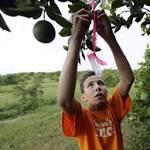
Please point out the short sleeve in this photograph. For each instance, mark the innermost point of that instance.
(120, 105)
(73, 125)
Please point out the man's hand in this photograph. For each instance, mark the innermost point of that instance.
(103, 25)
(81, 21)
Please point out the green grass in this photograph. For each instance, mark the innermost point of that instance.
(50, 90)
(7, 96)
(34, 131)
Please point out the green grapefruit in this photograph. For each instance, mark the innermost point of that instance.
(44, 31)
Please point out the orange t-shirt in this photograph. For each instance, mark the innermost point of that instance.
(98, 130)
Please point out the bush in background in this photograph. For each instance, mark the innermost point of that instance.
(139, 118)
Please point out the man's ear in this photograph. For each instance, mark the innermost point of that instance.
(84, 97)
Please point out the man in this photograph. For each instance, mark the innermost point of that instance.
(98, 126)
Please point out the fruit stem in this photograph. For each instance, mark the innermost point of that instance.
(44, 14)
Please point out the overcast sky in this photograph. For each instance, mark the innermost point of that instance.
(21, 52)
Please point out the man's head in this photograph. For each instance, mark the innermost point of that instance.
(83, 78)
(93, 89)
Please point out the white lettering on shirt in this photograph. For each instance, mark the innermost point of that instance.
(104, 129)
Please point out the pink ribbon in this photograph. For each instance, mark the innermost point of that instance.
(93, 56)
(92, 4)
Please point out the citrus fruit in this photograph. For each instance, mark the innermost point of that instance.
(44, 31)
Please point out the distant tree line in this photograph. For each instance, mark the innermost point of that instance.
(13, 79)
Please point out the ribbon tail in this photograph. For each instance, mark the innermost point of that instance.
(100, 61)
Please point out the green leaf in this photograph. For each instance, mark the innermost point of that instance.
(135, 10)
(50, 12)
(145, 22)
(123, 21)
(110, 1)
(24, 3)
(65, 32)
(106, 7)
(136, 2)
(82, 54)
(79, 60)
(144, 96)
(146, 2)
(117, 29)
(117, 4)
(129, 21)
(65, 47)
(62, 21)
(58, 18)
(89, 44)
(115, 20)
(26, 12)
(128, 3)
(139, 17)
(89, 34)
(3, 24)
(54, 8)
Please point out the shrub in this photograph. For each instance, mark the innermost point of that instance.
(140, 115)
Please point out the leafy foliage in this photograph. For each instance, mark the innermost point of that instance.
(110, 77)
(137, 10)
(10, 79)
(140, 116)
(24, 92)
(30, 94)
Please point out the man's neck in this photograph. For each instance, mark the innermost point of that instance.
(95, 108)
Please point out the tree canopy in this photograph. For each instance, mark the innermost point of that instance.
(137, 10)
(121, 13)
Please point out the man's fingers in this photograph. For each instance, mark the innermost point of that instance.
(86, 17)
(98, 12)
(83, 17)
(101, 15)
(81, 11)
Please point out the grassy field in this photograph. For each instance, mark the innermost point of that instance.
(37, 130)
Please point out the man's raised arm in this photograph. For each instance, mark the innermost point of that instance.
(67, 81)
(125, 72)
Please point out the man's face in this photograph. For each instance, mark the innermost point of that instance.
(95, 91)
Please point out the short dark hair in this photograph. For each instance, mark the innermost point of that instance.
(84, 76)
